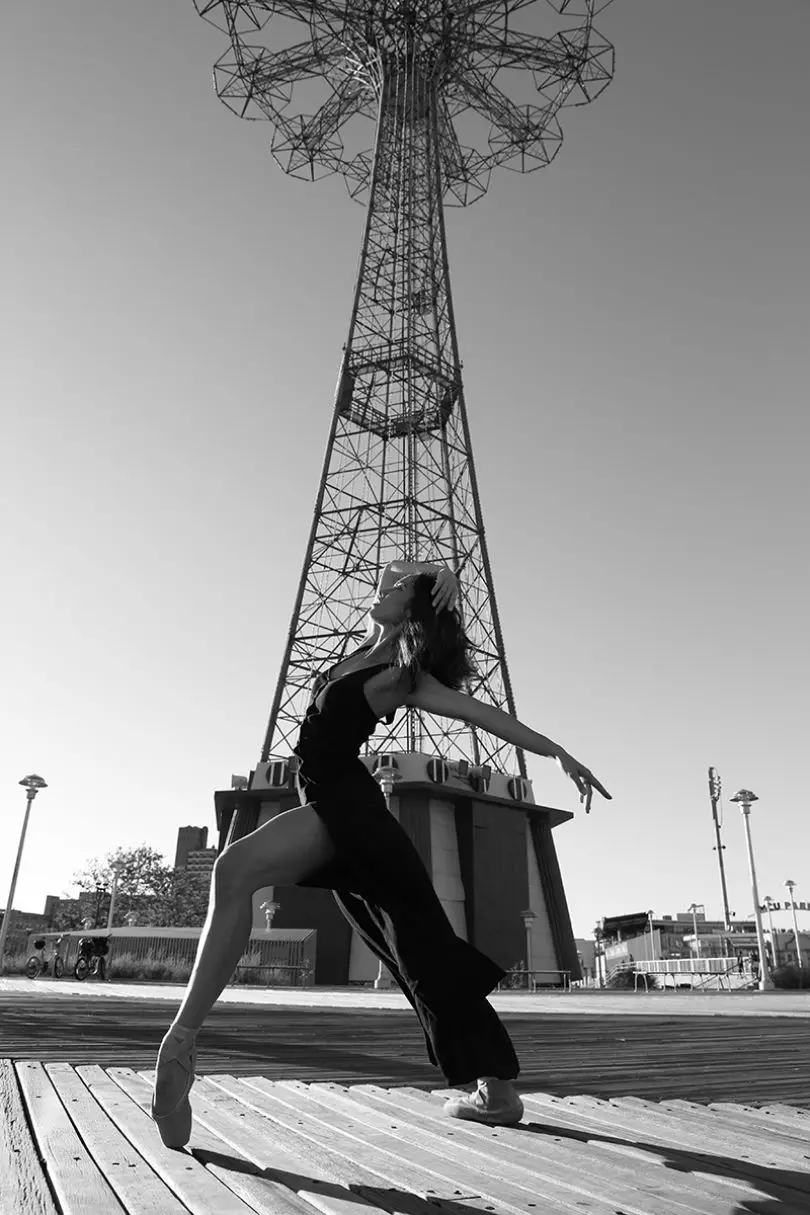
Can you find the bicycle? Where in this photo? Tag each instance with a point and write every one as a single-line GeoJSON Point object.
{"type": "Point", "coordinates": [90, 964]}
{"type": "Point", "coordinates": [38, 964]}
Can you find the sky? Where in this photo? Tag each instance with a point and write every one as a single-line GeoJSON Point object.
{"type": "Point", "coordinates": [633, 325]}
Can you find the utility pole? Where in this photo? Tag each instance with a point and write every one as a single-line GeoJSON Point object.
{"type": "Point", "coordinates": [715, 788]}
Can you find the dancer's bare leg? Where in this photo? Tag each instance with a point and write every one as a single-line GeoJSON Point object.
{"type": "Point", "coordinates": [280, 853]}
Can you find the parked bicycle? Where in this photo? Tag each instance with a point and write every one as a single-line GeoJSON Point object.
{"type": "Point", "coordinates": [91, 960]}
{"type": "Point", "coordinates": [38, 964]}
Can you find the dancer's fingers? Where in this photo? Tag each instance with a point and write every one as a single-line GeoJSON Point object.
{"type": "Point", "coordinates": [598, 785]}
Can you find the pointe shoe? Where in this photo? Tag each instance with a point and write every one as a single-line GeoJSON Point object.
{"type": "Point", "coordinates": [483, 1106]}
{"type": "Point", "coordinates": [174, 1125]}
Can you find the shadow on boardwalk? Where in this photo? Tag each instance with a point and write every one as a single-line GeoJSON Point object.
{"type": "Point", "coordinates": [775, 1179]}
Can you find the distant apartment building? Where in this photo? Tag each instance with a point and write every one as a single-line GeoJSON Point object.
{"type": "Point", "coordinates": [189, 839]}
{"type": "Point", "coordinates": [200, 861]}
{"type": "Point", "coordinates": [24, 921]}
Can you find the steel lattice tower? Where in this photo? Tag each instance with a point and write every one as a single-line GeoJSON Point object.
{"type": "Point", "coordinates": [398, 476]}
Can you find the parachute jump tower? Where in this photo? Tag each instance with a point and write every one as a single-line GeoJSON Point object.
{"type": "Point", "coordinates": [398, 477]}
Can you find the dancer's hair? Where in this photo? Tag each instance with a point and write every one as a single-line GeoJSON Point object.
{"type": "Point", "coordinates": [434, 642]}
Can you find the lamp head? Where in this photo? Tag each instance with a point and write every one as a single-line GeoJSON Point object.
{"type": "Point", "coordinates": [745, 796]}
{"type": "Point", "coordinates": [33, 783]}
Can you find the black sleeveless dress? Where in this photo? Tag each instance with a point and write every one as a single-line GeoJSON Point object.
{"type": "Point", "coordinates": [377, 875]}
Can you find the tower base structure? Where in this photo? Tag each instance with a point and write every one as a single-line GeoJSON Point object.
{"type": "Point", "coordinates": [485, 843]}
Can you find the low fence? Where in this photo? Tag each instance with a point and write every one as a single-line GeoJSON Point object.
{"type": "Point", "coordinates": [275, 957]}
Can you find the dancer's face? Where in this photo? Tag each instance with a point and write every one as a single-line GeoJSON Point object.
{"type": "Point", "coordinates": [392, 606]}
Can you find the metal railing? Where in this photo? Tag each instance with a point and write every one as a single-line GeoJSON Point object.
{"type": "Point", "coordinates": [708, 970]}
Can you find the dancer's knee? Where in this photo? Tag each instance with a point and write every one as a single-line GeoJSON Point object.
{"type": "Point", "coordinates": [229, 873]}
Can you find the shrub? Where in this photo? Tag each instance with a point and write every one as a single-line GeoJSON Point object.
{"type": "Point", "coordinates": [514, 979]}
{"type": "Point", "coordinates": [14, 961]}
{"type": "Point", "coordinates": [148, 968]}
{"type": "Point", "coordinates": [791, 976]}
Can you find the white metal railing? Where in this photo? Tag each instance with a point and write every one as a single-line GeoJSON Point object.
{"type": "Point", "coordinates": [685, 966]}
{"type": "Point", "coordinates": [721, 970]}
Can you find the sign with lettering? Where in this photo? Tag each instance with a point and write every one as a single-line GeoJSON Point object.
{"type": "Point", "coordinates": [785, 906]}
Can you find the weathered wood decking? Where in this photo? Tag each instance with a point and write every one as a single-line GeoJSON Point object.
{"type": "Point", "coordinates": [79, 1141]}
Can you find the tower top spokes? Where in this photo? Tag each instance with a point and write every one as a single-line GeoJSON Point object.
{"type": "Point", "coordinates": [479, 61]}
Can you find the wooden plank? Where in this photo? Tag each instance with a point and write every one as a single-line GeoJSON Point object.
{"type": "Point", "coordinates": [332, 1150]}
{"type": "Point", "coordinates": [79, 1187]}
{"type": "Point", "coordinates": [641, 1171]}
{"type": "Point", "coordinates": [510, 1190]}
{"type": "Point", "coordinates": [279, 1166]}
{"type": "Point", "coordinates": [768, 1150]}
{"type": "Point", "coordinates": [430, 1179]}
{"type": "Point", "coordinates": [139, 1189]}
{"type": "Point", "coordinates": [186, 1177]}
{"type": "Point", "coordinates": [22, 1182]}
{"type": "Point", "coordinates": [750, 1123]}
{"type": "Point", "coordinates": [777, 1115]}
{"type": "Point", "coordinates": [264, 1195]}
{"type": "Point", "coordinates": [606, 1118]}
{"type": "Point", "coordinates": [509, 1155]}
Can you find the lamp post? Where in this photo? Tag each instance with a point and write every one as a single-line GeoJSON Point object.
{"type": "Point", "coordinates": [745, 797]}
{"type": "Point", "coordinates": [693, 909]}
{"type": "Point", "coordinates": [113, 893]}
{"type": "Point", "coordinates": [527, 917]}
{"type": "Point", "coordinates": [599, 955]}
{"type": "Point", "coordinates": [32, 785]}
{"type": "Point", "coordinates": [791, 885]}
{"type": "Point", "coordinates": [769, 908]}
{"type": "Point", "coordinates": [652, 937]}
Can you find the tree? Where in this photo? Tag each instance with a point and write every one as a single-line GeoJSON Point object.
{"type": "Point", "coordinates": [144, 881]}
{"type": "Point", "coordinates": [157, 893]}
{"type": "Point", "coordinates": [188, 905]}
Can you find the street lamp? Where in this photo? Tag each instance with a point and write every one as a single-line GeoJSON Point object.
{"type": "Point", "coordinates": [652, 937]}
{"type": "Point", "coordinates": [791, 886]}
{"type": "Point", "coordinates": [768, 901]}
{"type": "Point", "coordinates": [599, 954]}
{"type": "Point", "coordinates": [111, 912]}
{"type": "Point", "coordinates": [32, 784]}
{"type": "Point", "coordinates": [745, 797]}
{"type": "Point", "coordinates": [527, 917]}
{"type": "Point", "coordinates": [693, 909]}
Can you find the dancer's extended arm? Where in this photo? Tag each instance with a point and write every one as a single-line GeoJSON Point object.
{"type": "Point", "coordinates": [432, 696]}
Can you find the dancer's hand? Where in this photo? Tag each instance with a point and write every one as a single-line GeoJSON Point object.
{"type": "Point", "coordinates": [583, 778]}
{"type": "Point", "coordinates": [445, 590]}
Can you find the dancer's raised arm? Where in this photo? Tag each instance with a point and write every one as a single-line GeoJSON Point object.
{"type": "Point", "coordinates": [432, 696]}
{"type": "Point", "coordinates": [445, 592]}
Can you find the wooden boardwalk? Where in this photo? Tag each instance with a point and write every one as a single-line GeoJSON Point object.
{"type": "Point", "coordinates": [78, 1140]}
{"type": "Point", "coordinates": [744, 1059]}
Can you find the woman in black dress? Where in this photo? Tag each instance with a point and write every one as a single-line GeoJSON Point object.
{"type": "Point", "coordinates": [342, 838]}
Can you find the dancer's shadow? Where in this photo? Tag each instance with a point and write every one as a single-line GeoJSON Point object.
{"type": "Point", "coordinates": [384, 1197]}
{"type": "Point", "coordinates": [687, 1160]}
